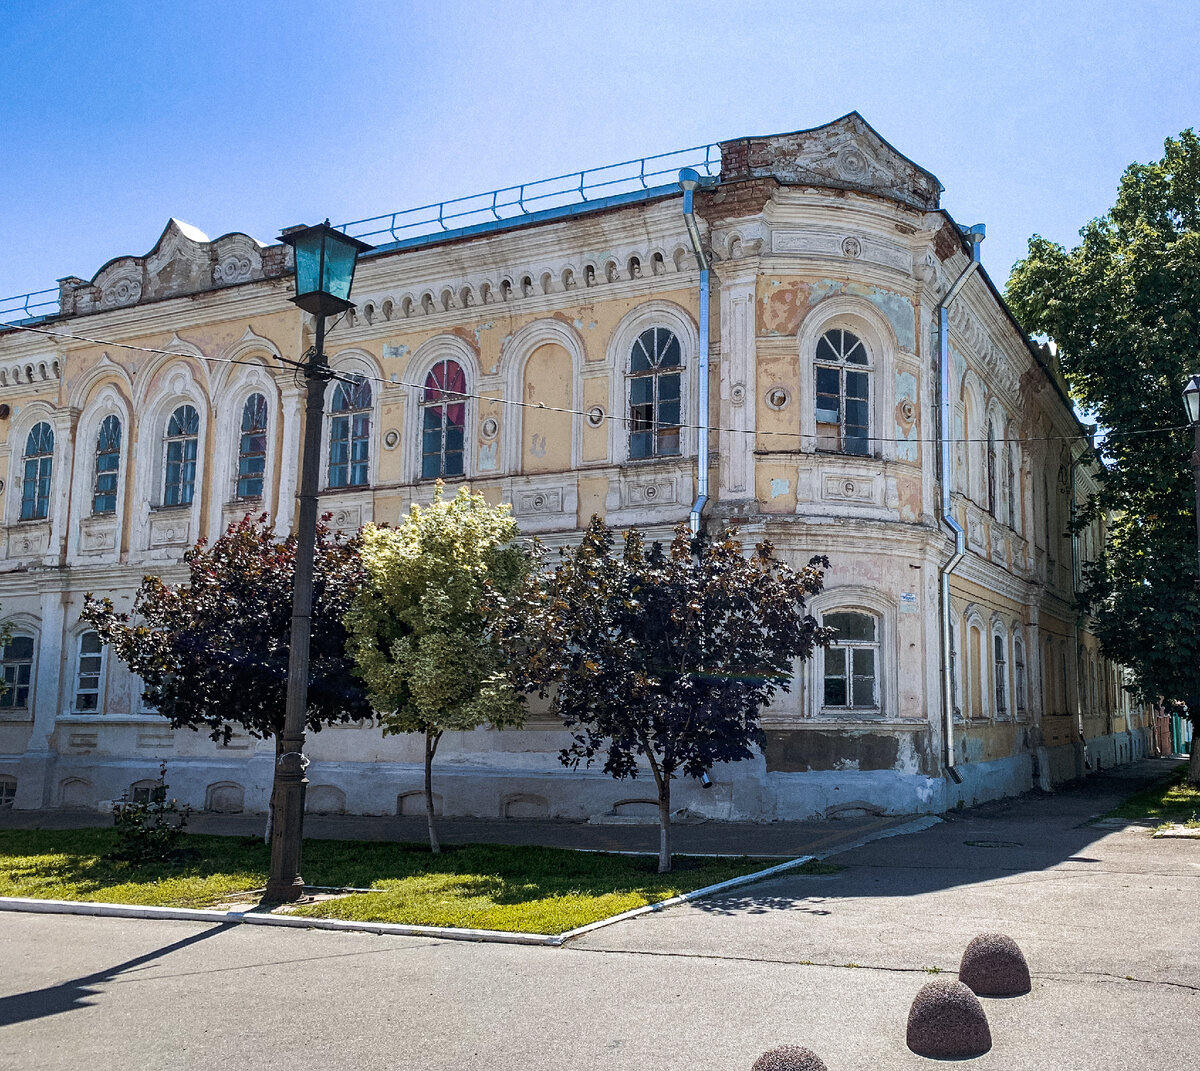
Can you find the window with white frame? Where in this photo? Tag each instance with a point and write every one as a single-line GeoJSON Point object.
{"type": "Point", "coordinates": [108, 466]}
{"type": "Point", "coordinates": [841, 366]}
{"type": "Point", "coordinates": [8, 792]}
{"type": "Point", "coordinates": [991, 469]}
{"type": "Point", "coordinates": [89, 674]}
{"type": "Point", "coordinates": [181, 444]}
{"type": "Point", "coordinates": [16, 669]}
{"type": "Point", "coordinates": [350, 434]}
{"type": "Point", "coordinates": [252, 448]}
{"type": "Point", "coordinates": [850, 663]}
{"type": "Point", "coordinates": [655, 394]}
{"type": "Point", "coordinates": [1001, 676]}
{"type": "Point", "coordinates": [443, 421]}
{"type": "Point", "coordinates": [39, 464]}
{"type": "Point", "coordinates": [1010, 479]}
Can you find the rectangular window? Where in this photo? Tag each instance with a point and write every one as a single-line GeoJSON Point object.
{"type": "Point", "coordinates": [851, 674]}
{"type": "Point", "coordinates": [843, 410]}
{"type": "Point", "coordinates": [16, 667]}
{"type": "Point", "coordinates": [181, 472]}
{"type": "Point", "coordinates": [89, 675]}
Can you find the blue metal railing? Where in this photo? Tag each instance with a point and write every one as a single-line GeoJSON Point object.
{"type": "Point", "coordinates": [534, 198]}
{"type": "Point", "coordinates": [26, 307]}
{"type": "Point", "coordinates": [511, 204]}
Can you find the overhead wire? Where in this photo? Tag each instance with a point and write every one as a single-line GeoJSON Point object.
{"type": "Point", "coordinates": [448, 396]}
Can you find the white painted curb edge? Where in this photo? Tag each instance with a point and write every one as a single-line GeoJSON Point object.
{"type": "Point", "coordinates": [139, 911]}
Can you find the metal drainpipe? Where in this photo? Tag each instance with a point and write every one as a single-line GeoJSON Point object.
{"type": "Point", "coordinates": [960, 543]}
{"type": "Point", "coordinates": [689, 180]}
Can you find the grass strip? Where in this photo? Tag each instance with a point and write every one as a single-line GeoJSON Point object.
{"type": "Point", "coordinates": [1169, 801]}
{"type": "Point", "coordinates": [485, 886]}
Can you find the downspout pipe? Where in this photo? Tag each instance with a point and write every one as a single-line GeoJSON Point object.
{"type": "Point", "coordinates": [960, 540]}
{"type": "Point", "coordinates": [689, 181]}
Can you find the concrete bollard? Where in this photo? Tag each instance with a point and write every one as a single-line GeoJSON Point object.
{"type": "Point", "coordinates": [789, 1058]}
{"type": "Point", "coordinates": [993, 966]}
{"type": "Point", "coordinates": [947, 1022]}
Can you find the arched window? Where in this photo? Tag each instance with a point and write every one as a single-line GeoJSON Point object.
{"type": "Point", "coordinates": [443, 420]}
{"type": "Point", "coordinates": [183, 435]}
{"type": "Point", "coordinates": [655, 380]}
{"type": "Point", "coordinates": [350, 434]}
{"type": "Point", "coordinates": [108, 466]}
{"type": "Point", "coordinates": [843, 394]}
{"type": "Point", "coordinates": [89, 674]}
{"type": "Point", "coordinates": [39, 464]}
{"type": "Point", "coordinates": [16, 668]}
{"type": "Point", "coordinates": [851, 660]}
{"type": "Point", "coordinates": [1001, 676]}
{"type": "Point", "coordinates": [252, 448]}
{"type": "Point", "coordinates": [991, 469]}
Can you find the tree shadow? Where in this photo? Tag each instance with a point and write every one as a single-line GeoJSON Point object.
{"type": "Point", "coordinates": [77, 993]}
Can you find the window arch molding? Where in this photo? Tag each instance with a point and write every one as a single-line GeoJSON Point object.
{"type": "Point", "coordinates": [513, 358]}
{"type": "Point", "coordinates": [108, 398]}
{"type": "Point", "coordinates": [881, 607]}
{"type": "Point", "coordinates": [617, 359]}
{"type": "Point", "coordinates": [175, 385]}
{"type": "Point", "coordinates": [23, 625]}
{"type": "Point", "coordinates": [29, 416]}
{"type": "Point", "coordinates": [976, 659]}
{"type": "Point", "coordinates": [974, 444]}
{"type": "Point", "coordinates": [860, 318]}
{"type": "Point", "coordinates": [430, 353]}
{"type": "Point", "coordinates": [246, 380]}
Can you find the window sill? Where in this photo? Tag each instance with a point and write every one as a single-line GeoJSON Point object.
{"type": "Point", "coordinates": [163, 508]}
{"type": "Point", "coordinates": [16, 717]}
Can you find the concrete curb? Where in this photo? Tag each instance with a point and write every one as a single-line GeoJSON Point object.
{"type": "Point", "coordinates": [448, 933]}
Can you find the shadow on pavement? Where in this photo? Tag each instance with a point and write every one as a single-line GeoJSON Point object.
{"type": "Point", "coordinates": [69, 996]}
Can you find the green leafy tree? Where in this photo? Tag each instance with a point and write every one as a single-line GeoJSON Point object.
{"type": "Point", "coordinates": [1123, 308]}
{"type": "Point", "coordinates": [212, 653]}
{"type": "Point", "coordinates": [663, 655]}
{"type": "Point", "coordinates": [421, 633]}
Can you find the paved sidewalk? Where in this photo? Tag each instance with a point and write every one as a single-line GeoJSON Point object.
{"type": "Point", "coordinates": [765, 840]}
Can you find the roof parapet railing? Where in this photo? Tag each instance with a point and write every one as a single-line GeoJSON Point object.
{"type": "Point", "coordinates": [23, 308]}
{"type": "Point", "coordinates": [528, 198]}
{"type": "Point", "coordinates": [510, 203]}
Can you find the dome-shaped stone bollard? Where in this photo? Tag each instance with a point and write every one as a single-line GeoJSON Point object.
{"type": "Point", "coordinates": [947, 1022]}
{"type": "Point", "coordinates": [993, 966]}
{"type": "Point", "coordinates": [789, 1058]}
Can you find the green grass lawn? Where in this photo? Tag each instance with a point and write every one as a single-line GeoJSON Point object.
{"type": "Point", "coordinates": [1169, 801]}
{"type": "Point", "coordinates": [495, 887]}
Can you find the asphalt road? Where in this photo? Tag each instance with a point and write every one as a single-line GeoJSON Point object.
{"type": "Point", "coordinates": [1106, 917]}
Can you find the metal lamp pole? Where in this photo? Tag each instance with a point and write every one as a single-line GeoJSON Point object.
{"type": "Point", "coordinates": [1191, 399]}
{"type": "Point", "coordinates": [325, 261]}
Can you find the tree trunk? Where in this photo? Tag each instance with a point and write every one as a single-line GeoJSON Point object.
{"type": "Point", "coordinates": [431, 743]}
{"type": "Point", "coordinates": [1193, 774]}
{"type": "Point", "coordinates": [664, 825]}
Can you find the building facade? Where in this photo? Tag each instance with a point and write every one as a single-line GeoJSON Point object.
{"type": "Point", "coordinates": [547, 350]}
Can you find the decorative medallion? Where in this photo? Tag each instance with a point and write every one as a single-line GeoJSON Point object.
{"type": "Point", "coordinates": [391, 439]}
{"type": "Point", "coordinates": [489, 428]}
{"type": "Point", "coordinates": [595, 416]}
{"type": "Point", "coordinates": [778, 398]}
{"type": "Point", "coordinates": [851, 247]}
{"type": "Point", "coordinates": [737, 393]}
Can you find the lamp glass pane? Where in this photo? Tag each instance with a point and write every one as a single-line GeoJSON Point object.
{"type": "Point", "coordinates": [1191, 398]}
{"type": "Point", "coordinates": [308, 264]}
{"type": "Point", "coordinates": [339, 266]}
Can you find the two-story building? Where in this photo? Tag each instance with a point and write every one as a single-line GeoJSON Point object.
{"type": "Point", "coordinates": [869, 397]}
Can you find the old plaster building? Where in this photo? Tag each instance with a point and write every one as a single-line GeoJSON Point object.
{"type": "Point", "coordinates": [868, 397]}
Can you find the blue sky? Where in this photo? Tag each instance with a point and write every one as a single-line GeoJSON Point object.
{"type": "Point", "coordinates": [257, 115]}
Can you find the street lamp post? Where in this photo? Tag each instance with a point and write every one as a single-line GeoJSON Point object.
{"type": "Point", "coordinates": [1191, 399]}
{"type": "Point", "coordinates": [325, 261]}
